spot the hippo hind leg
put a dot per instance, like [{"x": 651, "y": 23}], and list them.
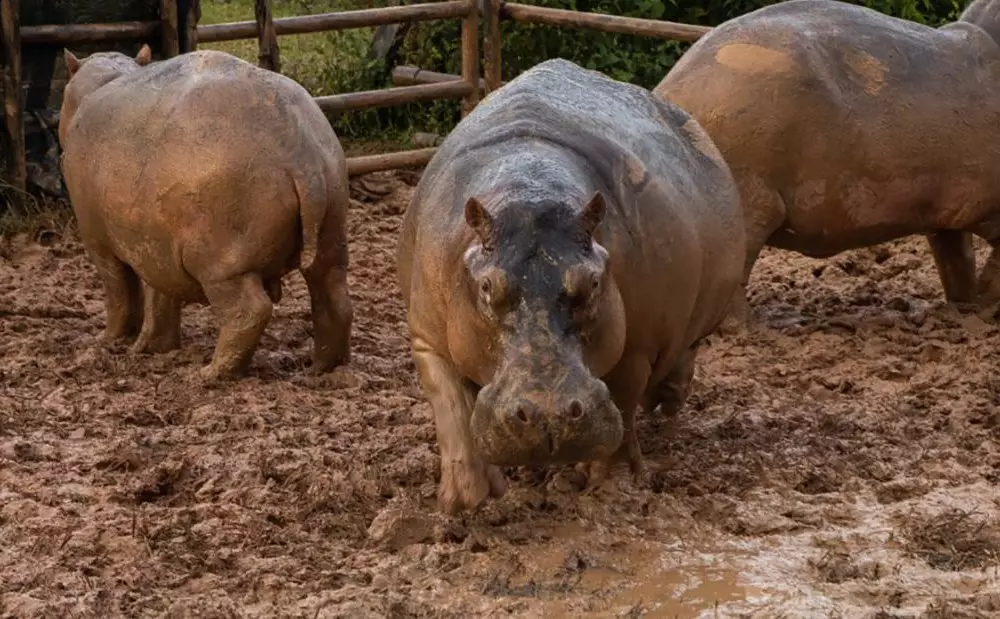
[
  {"x": 955, "y": 260},
  {"x": 161, "y": 325},
  {"x": 329, "y": 294},
  {"x": 123, "y": 295},
  {"x": 466, "y": 481},
  {"x": 332, "y": 310},
  {"x": 245, "y": 309},
  {"x": 672, "y": 392},
  {"x": 764, "y": 212},
  {"x": 988, "y": 286}
]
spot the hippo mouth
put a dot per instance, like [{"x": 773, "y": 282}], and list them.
[{"x": 545, "y": 441}]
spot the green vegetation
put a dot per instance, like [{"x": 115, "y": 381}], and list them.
[{"x": 336, "y": 62}]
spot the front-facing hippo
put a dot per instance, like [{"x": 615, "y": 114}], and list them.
[
  {"x": 208, "y": 179},
  {"x": 566, "y": 249},
  {"x": 846, "y": 128}
]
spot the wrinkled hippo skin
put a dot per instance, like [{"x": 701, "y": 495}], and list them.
[
  {"x": 846, "y": 128},
  {"x": 207, "y": 179},
  {"x": 564, "y": 252}
]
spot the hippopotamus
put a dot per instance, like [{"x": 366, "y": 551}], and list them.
[
  {"x": 566, "y": 250},
  {"x": 207, "y": 179},
  {"x": 845, "y": 128}
]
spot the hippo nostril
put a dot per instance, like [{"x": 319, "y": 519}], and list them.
[
  {"x": 575, "y": 410},
  {"x": 521, "y": 414}
]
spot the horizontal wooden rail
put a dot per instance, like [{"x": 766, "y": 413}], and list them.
[
  {"x": 393, "y": 96},
  {"x": 344, "y": 20},
  {"x": 89, "y": 33},
  {"x": 389, "y": 161},
  {"x": 604, "y": 23},
  {"x": 407, "y": 75}
]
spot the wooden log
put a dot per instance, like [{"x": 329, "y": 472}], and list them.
[
  {"x": 70, "y": 34},
  {"x": 13, "y": 105},
  {"x": 470, "y": 57},
  {"x": 393, "y": 96},
  {"x": 389, "y": 161},
  {"x": 493, "y": 46},
  {"x": 267, "y": 38},
  {"x": 605, "y": 23},
  {"x": 169, "y": 28},
  {"x": 407, "y": 75},
  {"x": 344, "y": 20}
]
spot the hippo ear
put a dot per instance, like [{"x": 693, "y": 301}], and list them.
[
  {"x": 479, "y": 219},
  {"x": 72, "y": 62},
  {"x": 144, "y": 56},
  {"x": 593, "y": 213}
]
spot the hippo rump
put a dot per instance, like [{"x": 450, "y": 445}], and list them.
[
  {"x": 208, "y": 179},
  {"x": 847, "y": 128},
  {"x": 564, "y": 252}
]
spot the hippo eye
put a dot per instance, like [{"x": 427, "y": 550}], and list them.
[
  {"x": 595, "y": 282},
  {"x": 486, "y": 286}
]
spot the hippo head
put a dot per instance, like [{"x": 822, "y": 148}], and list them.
[
  {"x": 87, "y": 75},
  {"x": 542, "y": 282}
]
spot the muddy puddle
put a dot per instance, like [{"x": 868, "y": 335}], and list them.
[{"x": 840, "y": 460}]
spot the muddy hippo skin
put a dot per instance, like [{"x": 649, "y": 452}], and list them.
[
  {"x": 563, "y": 254},
  {"x": 208, "y": 179},
  {"x": 847, "y": 128}
]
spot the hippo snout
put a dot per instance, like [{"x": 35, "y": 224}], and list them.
[{"x": 535, "y": 425}]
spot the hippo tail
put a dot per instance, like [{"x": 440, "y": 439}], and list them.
[{"x": 314, "y": 199}]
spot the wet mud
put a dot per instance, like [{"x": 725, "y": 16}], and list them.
[{"x": 840, "y": 460}]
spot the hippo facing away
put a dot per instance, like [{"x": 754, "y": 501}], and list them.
[
  {"x": 208, "y": 179},
  {"x": 847, "y": 128},
  {"x": 564, "y": 252}
]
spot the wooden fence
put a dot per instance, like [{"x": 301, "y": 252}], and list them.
[{"x": 179, "y": 32}]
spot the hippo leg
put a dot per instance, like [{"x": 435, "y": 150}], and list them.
[
  {"x": 332, "y": 311},
  {"x": 245, "y": 309},
  {"x": 161, "y": 325},
  {"x": 671, "y": 394},
  {"x": 765, "y": 211},
  {"x": 627, "y": 384},
  {"x": 466, "y": 481},
  {"x": 123, "y": 295},
  {"x": 988, "y": 287},
  {"x": 273, "y": 288},
  {"x": 956, "y": 264}
]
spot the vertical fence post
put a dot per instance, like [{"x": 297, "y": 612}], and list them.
[
  {"x": 169, "y": 28},
  {"x": 493, "y": 69},
  {"x": 470, "y": 56},
  {"x": 13, "y": 105},
  {"x": 267, "y": 38},
  {"x": 190, "y": 13}
]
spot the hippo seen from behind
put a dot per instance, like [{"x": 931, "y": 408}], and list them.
[
  {"x": 208, "y": 179},
  {"x": 566, "y": 249},
  {"x": 846, "y": 128}
]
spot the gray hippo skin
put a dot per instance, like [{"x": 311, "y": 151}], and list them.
[
  {"x": 847, "y": 128},
  {"x": 208, "y": 179},
  {"x": 566, "y": 249}
]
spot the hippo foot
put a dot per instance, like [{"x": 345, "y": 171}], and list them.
[
  {"x": 467, "y": 485},
  {"x": 599, "y": 471},
  {"x": 148, "y": 344},
  {"x": 211, "y": 374}
]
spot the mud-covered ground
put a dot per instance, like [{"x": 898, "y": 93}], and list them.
[{"x": 843, "y": 460}]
